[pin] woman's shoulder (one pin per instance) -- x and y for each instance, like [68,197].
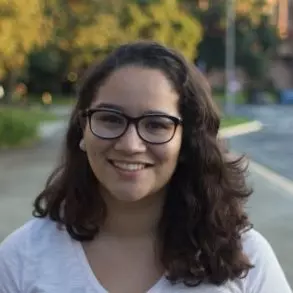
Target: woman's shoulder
[37,254]
[254,242]
[267,272]
[258,249]
[19,252]
[32,237]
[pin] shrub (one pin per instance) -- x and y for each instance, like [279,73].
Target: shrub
[16,128]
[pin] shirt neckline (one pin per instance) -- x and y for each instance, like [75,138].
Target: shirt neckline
[95,283]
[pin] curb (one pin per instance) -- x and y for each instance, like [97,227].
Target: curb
[241,129]
[279,180]
[272,176]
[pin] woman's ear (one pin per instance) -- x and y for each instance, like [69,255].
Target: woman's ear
[82,145]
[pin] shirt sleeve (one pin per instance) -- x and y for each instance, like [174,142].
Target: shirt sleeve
[267,274]
[11,264]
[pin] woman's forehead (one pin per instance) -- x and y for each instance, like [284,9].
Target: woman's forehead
[137,89]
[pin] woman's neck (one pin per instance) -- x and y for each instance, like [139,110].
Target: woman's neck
[133,219]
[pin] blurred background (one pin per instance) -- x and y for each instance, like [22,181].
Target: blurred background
[243,47]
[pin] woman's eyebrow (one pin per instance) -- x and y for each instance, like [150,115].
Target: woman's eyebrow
[120,108]
[108,106]
[155,112]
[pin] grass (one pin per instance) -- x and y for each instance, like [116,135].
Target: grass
[19,125]
[241,99]
[29,114]
[232,121]
[58,100]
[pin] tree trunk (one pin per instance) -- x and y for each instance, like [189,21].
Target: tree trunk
[9,85]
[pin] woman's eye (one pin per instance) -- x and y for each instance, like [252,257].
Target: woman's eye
[157,125]
[110,119]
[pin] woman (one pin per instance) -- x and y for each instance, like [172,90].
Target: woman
[144,199]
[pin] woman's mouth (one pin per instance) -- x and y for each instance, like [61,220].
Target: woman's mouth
[129,166]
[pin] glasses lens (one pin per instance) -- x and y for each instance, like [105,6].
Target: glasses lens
[156,129]
[107,124]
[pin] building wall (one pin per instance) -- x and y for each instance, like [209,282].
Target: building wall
[283,17]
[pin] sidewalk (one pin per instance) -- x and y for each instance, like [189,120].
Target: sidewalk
[49,128]
[273,145]
[271,211]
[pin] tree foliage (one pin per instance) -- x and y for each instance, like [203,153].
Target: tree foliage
[256,37]
[166,22]
[81,31]
[23,27]
[89,29]
[84,29]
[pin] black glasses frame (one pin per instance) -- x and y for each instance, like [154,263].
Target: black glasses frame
[130,120]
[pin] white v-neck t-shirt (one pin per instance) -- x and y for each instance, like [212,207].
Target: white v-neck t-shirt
[40,258]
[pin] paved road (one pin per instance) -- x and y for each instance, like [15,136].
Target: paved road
[23,174]
[271,211]
[273,146]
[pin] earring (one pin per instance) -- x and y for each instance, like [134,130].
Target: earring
[82,145]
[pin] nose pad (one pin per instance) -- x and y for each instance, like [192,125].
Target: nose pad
[130,141]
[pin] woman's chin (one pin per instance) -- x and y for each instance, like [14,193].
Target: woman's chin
[127,195]
[130,193]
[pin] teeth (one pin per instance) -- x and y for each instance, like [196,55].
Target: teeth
[129,167]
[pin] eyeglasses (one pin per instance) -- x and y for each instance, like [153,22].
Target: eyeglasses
[112,124]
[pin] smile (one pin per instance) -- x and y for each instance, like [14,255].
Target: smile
[126,166]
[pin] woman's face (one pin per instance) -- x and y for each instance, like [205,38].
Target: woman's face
[128,168]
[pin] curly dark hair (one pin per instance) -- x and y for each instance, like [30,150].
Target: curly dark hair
[203,217]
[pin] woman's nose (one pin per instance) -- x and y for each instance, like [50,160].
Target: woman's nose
[130,141]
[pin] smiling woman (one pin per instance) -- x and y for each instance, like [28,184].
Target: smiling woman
[145,199]
[144,131]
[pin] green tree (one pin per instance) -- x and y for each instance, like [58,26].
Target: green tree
[256,39]
[84,30]
[23,27]
[45,70]
[166,22]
